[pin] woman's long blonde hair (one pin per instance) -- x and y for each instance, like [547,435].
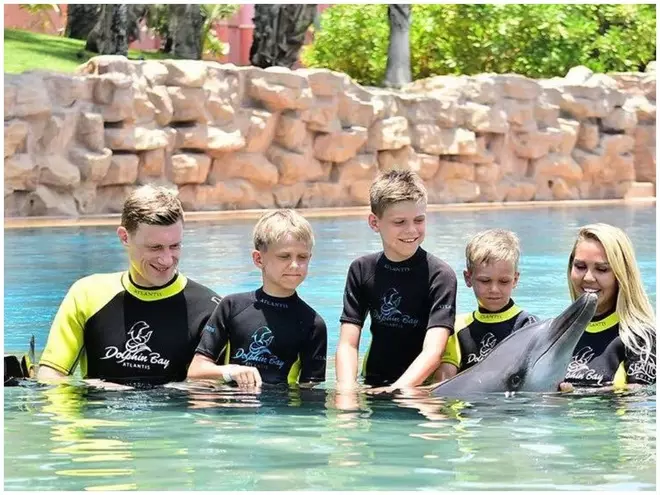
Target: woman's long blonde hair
[636,315]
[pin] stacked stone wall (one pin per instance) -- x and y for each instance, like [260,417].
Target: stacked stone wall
[242,137]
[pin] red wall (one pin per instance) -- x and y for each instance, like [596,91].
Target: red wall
[237,30]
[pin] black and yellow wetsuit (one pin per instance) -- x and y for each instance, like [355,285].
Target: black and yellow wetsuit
[477,333]
[404,300]
[283,337]
[601,359]
[120,332]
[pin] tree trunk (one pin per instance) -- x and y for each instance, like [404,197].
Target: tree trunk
[80,20]
[185,28]
[109,36]
[279,33]
[398,52]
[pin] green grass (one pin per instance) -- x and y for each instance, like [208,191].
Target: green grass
[25,50]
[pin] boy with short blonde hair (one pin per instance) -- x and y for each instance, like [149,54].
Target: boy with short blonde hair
[270,334]
[492,258]
[409,293]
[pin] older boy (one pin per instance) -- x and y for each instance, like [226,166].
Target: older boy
[492,258]
[270,329]
[409,293]
[137,326]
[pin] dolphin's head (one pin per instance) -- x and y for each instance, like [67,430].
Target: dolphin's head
[545,348]
[551,351]
[533,359]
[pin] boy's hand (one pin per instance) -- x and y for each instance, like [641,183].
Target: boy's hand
[244,376]
[566,387]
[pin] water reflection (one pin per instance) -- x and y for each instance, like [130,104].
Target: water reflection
[209,436]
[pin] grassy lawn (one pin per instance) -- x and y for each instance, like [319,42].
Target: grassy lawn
[27,51]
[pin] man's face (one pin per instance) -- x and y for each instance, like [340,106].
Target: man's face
[153,252]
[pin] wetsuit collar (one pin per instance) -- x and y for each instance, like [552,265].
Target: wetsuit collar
[405,265]
[505,314]
[275,302]
[173,287]
[603,322]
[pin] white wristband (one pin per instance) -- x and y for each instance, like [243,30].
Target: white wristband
[226,376]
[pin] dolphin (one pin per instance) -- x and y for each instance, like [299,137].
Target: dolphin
[533,359]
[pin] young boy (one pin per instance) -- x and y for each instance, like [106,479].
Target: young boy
[492,258]
[269,334]
[409,293]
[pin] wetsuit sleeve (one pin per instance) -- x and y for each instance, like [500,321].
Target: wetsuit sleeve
[639,368]
[452,354]
[215,334]
[66,337]
[313,355]
[443,300]
[355,304]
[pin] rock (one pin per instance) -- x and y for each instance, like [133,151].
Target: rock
[455,170]
[151,165]
[187,104]
[45,201]
[588,136]
[279,94]
[15,133]
[324,82]
[135,139]
[185,73]
[483,118]
[230,195]
[56,171]
[21,173]
[322,116]
[339,146]
[123,170]
[258,127]
[93,165]
[90,131]
[354,112]
[435,140]
[291,133]
[190,168]
[294,167]
[323,194]
[620,119]
[253,167]
[163,107]
[388,134]
[360,167]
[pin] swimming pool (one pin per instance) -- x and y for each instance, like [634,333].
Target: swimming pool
[73,437]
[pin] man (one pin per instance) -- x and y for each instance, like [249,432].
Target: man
[140,326]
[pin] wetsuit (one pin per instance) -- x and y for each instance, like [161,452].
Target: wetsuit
[283,337]
[124,333]
[477,333]
[404,300]
[600,358]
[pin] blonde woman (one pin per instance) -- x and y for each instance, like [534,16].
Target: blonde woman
[618,347]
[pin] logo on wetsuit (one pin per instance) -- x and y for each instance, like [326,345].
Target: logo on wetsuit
[487,344]
[389,313]
[579,370]
[136,353]
[258,351]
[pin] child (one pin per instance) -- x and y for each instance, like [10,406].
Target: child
[409,293]
[618,347]
[269,334]
[492,258]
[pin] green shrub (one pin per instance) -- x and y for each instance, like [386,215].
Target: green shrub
[542,40]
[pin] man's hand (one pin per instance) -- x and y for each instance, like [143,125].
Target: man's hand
[566,387]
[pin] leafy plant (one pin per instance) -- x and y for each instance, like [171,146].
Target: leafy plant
[540,40]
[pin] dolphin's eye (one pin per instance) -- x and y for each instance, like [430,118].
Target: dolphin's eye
[515,381]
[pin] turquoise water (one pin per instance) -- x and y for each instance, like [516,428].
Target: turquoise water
[72,437]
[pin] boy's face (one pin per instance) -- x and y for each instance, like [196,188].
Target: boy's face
[402,227]
[284,265]
[153,252]
[492,283]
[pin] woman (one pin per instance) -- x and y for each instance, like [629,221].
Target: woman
[618,346]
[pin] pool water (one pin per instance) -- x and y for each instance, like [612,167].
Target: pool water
[73,437]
